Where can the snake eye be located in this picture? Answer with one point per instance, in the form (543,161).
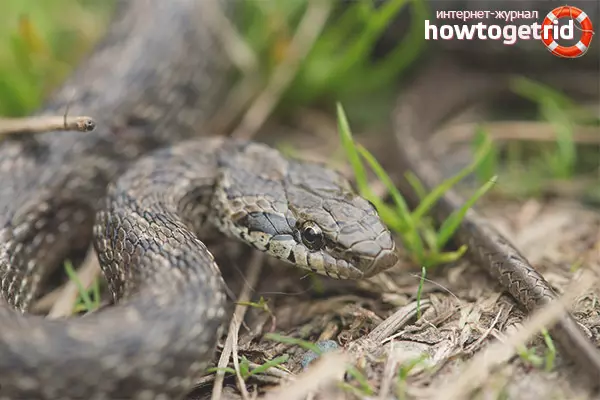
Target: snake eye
(312,236)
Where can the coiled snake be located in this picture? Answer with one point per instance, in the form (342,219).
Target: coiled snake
(153,81)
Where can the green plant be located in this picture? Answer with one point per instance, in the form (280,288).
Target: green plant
(529,168)
(43,39)
(421,239)
(87,299)
(340,64)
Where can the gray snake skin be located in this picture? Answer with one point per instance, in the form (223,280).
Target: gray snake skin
(150,88)
(420,110)
(152,83)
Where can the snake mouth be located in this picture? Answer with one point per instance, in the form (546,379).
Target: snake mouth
(386,259)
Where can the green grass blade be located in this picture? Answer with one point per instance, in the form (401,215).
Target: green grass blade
(429,235)
(96,292)
(453,221)
(294,341)
(416,185)
(551,353)
(361,379)
(224,369)
(360,173)
(84,295)
(403,212)
(535,91)
(420,291)
(566,153)
(428,202)
(489,164)
(271,363)
(445,258)
(405,53)
(244,367)
(358,51)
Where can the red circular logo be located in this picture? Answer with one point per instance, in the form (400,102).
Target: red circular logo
(578,49)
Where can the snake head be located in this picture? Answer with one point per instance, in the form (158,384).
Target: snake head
(302,213)
(336,232)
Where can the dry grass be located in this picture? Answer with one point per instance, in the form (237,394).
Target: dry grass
(463,316)
(468,327)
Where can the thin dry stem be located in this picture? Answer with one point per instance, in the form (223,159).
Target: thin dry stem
(254,270)
(327,370)
(385,331)
(45,303)
(488,331)
(513,130)
(31,125)
(238,51)
(480,366)
(236,364)
(388,375)
(308,31)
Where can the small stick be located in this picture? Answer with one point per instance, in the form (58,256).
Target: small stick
(13,126)
(475,372)
(238,317)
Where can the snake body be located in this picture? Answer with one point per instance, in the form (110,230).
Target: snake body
(151,84)
(140,99)
(420,110)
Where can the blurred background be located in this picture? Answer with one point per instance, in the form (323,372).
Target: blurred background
(350,51)
(295,59)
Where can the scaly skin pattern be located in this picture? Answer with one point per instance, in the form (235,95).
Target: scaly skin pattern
(419,111)
(146,87)
(154,79)
(153,82)
(168,291)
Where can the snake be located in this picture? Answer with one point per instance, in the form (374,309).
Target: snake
(418,112)
(145,187)
(147,190)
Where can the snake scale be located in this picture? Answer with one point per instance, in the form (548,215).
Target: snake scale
(422,108)
(151,84)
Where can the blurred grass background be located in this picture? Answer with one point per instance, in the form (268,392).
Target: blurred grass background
(40,43)
(42,40)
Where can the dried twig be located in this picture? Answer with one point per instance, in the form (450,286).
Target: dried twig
(513,130)
(238,316)
(233,333)
(384,332)
(45,303)
(238,51)
(328,369)
(488,331)
(388,373)
(480,366)
(29,125)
